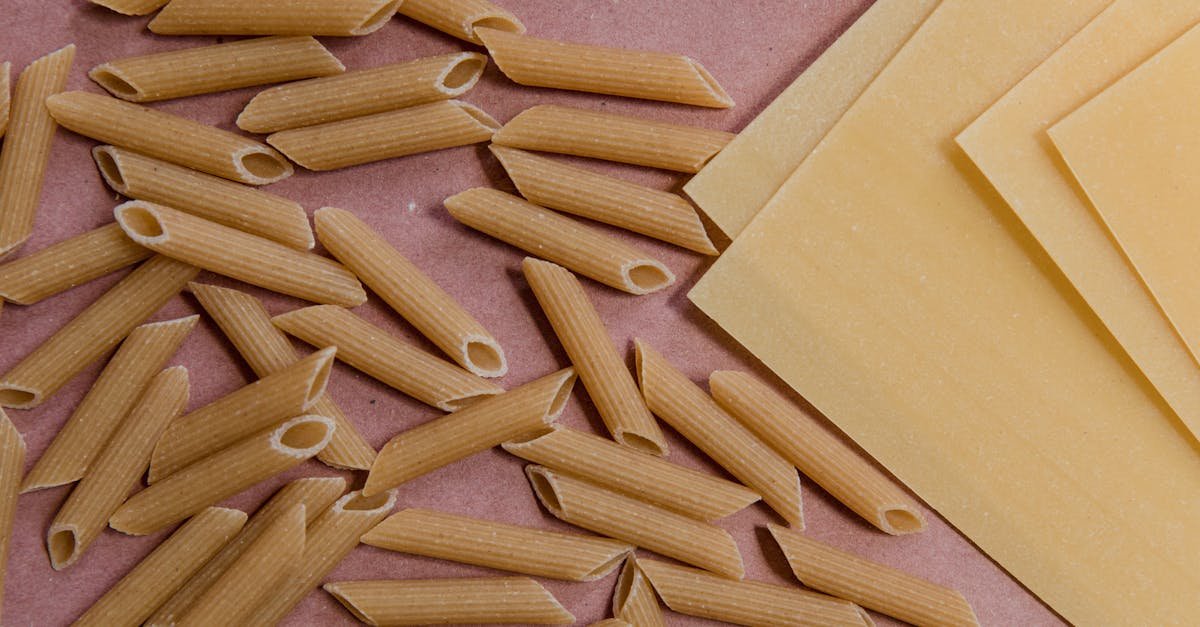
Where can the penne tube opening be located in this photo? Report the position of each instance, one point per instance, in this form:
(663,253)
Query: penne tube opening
(486,121)
(644,276)
(111,80)
(545,489)
(900,519)
(356,502)
(348,602)
(140,222)
(61,544)
(376,20)
(484,357)
(320,378)
(715,90)
(110,168)
(18,396)
(303,436)
(461,74)
(261,166)
(630,577)
(561,395)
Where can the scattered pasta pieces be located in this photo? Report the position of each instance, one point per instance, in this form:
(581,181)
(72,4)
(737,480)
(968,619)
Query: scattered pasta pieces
(518,600)
(273,17)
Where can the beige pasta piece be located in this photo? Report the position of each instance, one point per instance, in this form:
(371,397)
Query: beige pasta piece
(613,137)
(339,18)
(410,292)
(158,576)
(26,149)
(819,455)
(362,92)
(5,95)
(560,239)
(647,526)
(602,70)
(222,475)
(69,263)
(12,462)
(117,469)
(498,600)
(611,622)
(210,197)
(634,599)
(871,585)
(267,350)
(556,185)
(520,412)
(379,136)
(94,332)
(242,413)
(523,550)
(697,417)
(169,137)
(239,255)
(697,593)
(373,351)
(131,7)
(460,18)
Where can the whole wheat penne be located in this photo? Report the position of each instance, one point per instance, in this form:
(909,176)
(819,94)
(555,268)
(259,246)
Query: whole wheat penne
(169,137)
(210,197)
(69,263)
(519,412)
(239,255)
(460,18)
(375,352)
(222,475)
(496,600)
(273,17)
(647,526)
(613,137)
(379,136)
(242,413)
(94,332)
(818,454)
(611,622)
(157,577)
(524,550)
(634,599)
(697,417)
(697,593)
(5,95)
(27,145)
(247,324)
(410,292)
(871,585)
(556,185)
(131,7)
(12,462)
(362,92)
(560,239)
(119,466)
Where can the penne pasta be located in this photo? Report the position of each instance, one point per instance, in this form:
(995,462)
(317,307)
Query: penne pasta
(222,475)
(490,600)
(818,454)
(400,365)
(12,462)
(238,255)
(460,18)
(602,70)
(523,550)
(410,292)
(27,142)
(210,197)
(157,577)
(519,412)
(94,332)
(559,239)
(379,136)
(644,525)
(362,92)
(267,350)
(674,398)
(339,18)
(69,263)
(131,7)
(120,465)
(625,139)
(634,599)
(5,95)
(169,137)
(611,622)
(220,67)
(871,585)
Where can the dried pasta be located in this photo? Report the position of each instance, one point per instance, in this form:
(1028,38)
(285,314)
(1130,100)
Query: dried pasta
(460,18)
(273,17)
(69,263)
(12,462)
(634,599)
(5,95)
(500,600)
(131,7)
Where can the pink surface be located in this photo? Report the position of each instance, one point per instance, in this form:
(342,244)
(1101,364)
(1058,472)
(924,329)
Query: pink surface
(755,48)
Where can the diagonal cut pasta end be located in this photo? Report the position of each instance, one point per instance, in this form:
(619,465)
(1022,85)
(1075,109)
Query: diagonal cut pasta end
(643,276)
(483,356)
(461,73)
(62,545)
(720,99)
(375,21)
(110,78)
(141,222)
(259,165)
(15,396)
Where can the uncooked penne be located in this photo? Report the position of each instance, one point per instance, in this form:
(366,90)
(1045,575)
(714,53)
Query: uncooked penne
(26,149)
(94,332)
(379,136)
(375,352)
(613,137)
(647,526)
(871,585)
(12,462)
(222,475)
(339,18)
(523,550)
(121,463)
(560,239)
(210,197)
(634,599)
(611,622)
(697,417)
(362,92)
(131,7)
(410,292)
(267,350)
(158,576)
(460,18)
(484,600)
(5,95)
(169,137)
(556,185)
(239,255)
(520,412)
(818,454)
(69,263)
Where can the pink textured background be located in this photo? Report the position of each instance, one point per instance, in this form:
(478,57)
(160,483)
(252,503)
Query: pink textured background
(754,47)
